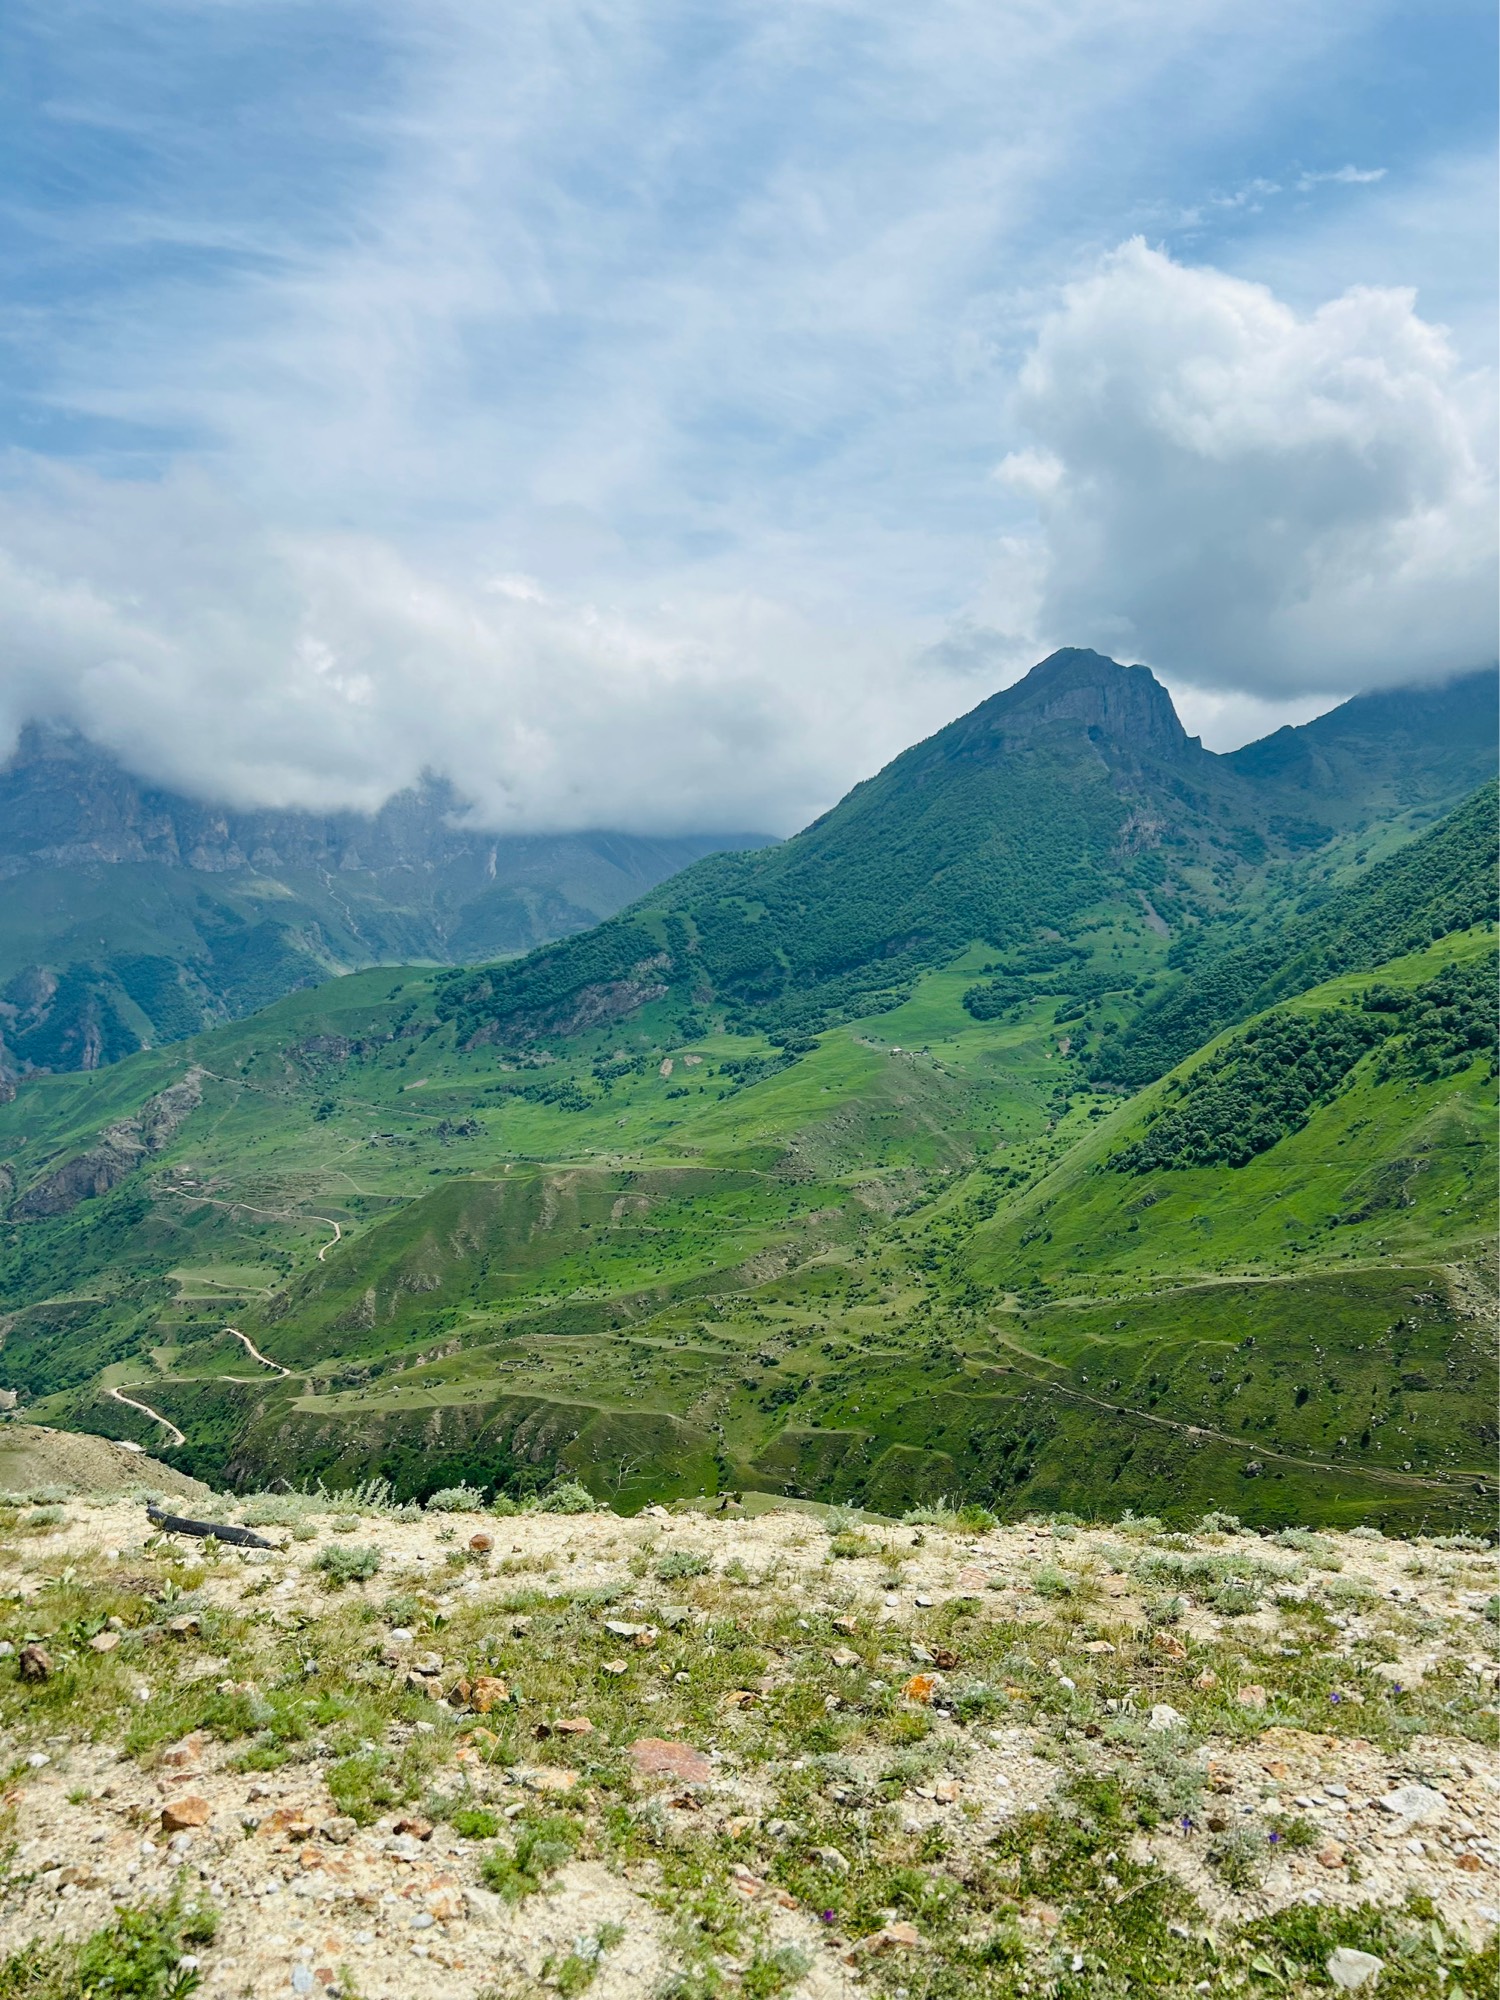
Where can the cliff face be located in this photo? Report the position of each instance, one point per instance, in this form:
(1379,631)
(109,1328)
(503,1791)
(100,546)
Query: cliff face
(131,916)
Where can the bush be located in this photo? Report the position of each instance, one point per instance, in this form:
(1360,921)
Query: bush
(542,1847)
(341,1566)
(567,1497)
(455,1500)
(682,1563)
(475,1823)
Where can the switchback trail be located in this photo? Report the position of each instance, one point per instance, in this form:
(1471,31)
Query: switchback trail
(255,1354)
(178,1437)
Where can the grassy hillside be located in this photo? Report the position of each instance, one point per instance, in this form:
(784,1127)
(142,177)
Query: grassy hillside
(606,1212)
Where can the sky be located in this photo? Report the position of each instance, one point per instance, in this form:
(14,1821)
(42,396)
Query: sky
(657,413)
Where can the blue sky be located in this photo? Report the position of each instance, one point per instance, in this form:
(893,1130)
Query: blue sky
(650,411)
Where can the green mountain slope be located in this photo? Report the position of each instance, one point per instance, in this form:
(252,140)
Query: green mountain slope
(131,917)
(1074,787)
(605,1212)
(1442,882)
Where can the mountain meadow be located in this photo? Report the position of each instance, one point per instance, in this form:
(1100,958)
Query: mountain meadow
(1071,1121)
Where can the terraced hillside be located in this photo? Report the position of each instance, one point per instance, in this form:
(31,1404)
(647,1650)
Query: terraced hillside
(670,1246)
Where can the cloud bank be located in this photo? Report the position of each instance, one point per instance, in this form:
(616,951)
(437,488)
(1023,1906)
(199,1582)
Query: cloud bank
(600,405)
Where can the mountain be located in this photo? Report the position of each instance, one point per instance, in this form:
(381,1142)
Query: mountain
(131,916)
(1067,792)
(807,1173)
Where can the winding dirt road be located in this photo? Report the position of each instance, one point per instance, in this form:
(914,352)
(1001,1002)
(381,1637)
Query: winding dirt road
(255,1354)
(178,1437)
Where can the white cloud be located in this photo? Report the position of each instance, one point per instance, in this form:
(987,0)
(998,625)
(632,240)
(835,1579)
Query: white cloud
(1256,499)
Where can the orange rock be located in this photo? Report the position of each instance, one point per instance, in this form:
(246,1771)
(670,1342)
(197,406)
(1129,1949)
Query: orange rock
(292,1822)
(445,1901)
(574,1725)
(920,1688)
(1470,1863)
(654,1757)
(180,1814)
(892,1937)
(1168,1643)
(481,1543)
(1331,1855)
(1206,1680)
(488,1692)
(178,1756)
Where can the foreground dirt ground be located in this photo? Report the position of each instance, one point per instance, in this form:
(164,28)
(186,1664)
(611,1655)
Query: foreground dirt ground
(409,1755)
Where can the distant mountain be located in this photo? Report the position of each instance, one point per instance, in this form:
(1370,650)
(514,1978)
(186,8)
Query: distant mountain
(131,916)
(1073,788)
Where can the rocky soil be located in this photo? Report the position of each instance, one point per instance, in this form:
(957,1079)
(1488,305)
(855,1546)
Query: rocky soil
(435,1755)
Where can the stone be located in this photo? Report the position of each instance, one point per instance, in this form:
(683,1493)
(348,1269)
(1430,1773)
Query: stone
(35,1663)
(741,1698)
(848,1626)
(547,1778)
(1168,1644)
(1163,1717)
(573,1725)
(481,1543)
(488,1692)
(614,1668)
(1206,1680)
(419,1829)
(920,1688)
(892,1937)
(832,1857)
(1413,1803)
(484,1906)
(1251,1695)
(184,1626)
(946,1791)
(1096,1646)
(655,1757)
(427,1664)
(182,1755)
(843,1656)
(401,1847)
(341,1829)
(944,1658)
(181,1815)
(1330,1855)
(104,1642)
(445,1902)
(1349,1969)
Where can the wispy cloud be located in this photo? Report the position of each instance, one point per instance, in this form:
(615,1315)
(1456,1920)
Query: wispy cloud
(698,326)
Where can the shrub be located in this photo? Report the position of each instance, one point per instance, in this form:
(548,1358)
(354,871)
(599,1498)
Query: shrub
(455,1500)
(682,1563)
(567,1497)
(341,1566)
(541,1848)
(475,1822)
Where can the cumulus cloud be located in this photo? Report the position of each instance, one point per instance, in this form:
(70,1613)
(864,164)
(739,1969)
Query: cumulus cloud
(1256,499)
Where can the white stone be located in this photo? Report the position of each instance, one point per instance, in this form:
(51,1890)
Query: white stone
(1413,1802)
(1349,1970)
(1164,1716)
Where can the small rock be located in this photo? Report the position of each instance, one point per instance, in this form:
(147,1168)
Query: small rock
(401,1847)
(484,1906)
(945,1658)
(946,1791)
(573,1725)
(1349,1969)
(419,1829)
(1251,1695)
(182,1755)
(832,1857)
(445,1902)
(1164,1716)
(302,1977)
(1096,1646)
(892,1937)
(654,1757)
(922,1603)
(1413,1803)
(1330,1855)
(339,1830)
(1168,1644)
(104,1642)
(920,1688)
(181,1814)
(1206,1680)
(843,1656)
(183,1627)
(481,1543)
(615,1668)
(427,1664)
(848,1626)
(547,1778)
(487,1692)
(35,1663)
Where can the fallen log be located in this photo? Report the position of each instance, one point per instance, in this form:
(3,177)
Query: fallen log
(175,1524)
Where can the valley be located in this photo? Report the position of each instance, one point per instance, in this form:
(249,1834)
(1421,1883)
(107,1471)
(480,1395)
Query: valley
(869,1219)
